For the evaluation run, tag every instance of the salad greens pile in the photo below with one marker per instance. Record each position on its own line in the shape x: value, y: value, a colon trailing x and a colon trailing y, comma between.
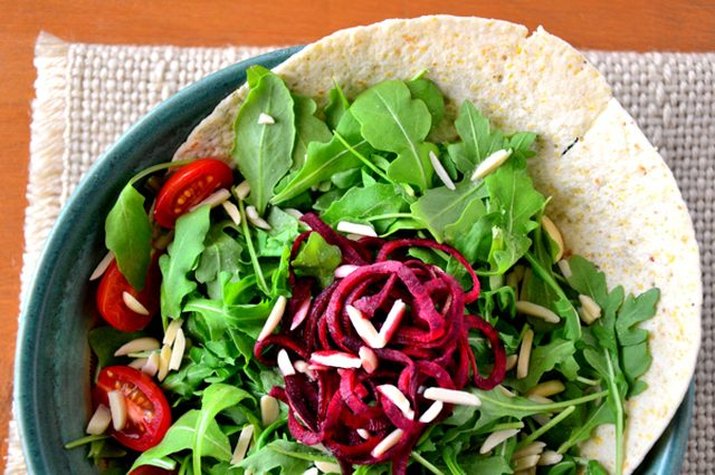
x: 367, y: 160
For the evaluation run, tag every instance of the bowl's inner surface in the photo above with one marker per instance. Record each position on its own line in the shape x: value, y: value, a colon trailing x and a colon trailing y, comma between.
x: 52, y: 368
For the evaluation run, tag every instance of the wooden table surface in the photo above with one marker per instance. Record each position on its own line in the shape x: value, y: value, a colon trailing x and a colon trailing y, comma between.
x: 641, y: 25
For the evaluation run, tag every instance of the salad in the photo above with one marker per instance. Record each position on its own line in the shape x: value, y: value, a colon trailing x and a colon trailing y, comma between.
x: 347, y: 293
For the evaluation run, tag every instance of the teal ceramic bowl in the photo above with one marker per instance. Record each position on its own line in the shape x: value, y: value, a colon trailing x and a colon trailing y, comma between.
x: 51, y: 382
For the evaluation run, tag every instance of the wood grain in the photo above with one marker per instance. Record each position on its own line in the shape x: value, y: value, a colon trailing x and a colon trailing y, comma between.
x: 640, y: 25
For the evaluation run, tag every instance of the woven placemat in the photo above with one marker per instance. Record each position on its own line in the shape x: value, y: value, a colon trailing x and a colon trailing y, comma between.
x: 88, y: 95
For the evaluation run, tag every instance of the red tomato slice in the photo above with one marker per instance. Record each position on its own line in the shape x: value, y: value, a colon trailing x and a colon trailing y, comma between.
x: 189, y: 186
x: 111, y: 304
x: 148, y: 413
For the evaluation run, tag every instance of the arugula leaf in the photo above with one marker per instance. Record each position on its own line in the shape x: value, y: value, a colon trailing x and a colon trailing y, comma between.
x: 326, y: 159
x: 181, y: 258
x: 440, y: 207
x: 428, y: 92
x: 636, y: 310
x: 222, y: 253
x: 494, y: 465
x: 361, y: 204
x: 289, y: 457
x: 308, y: 129
x: 263, y: 151
x: 128, y: 235
x: 475, y: 243
x: 181, y: 437
x: 394, y: 122
x: 284, y: 229
x: 544, y: 358
x: 603, y: 414
x: 317, y: 258
x: 512, y: 195
x: 479, y: 140
x: 215, y: 399
x: 336, y: 106
x: 248, y: 318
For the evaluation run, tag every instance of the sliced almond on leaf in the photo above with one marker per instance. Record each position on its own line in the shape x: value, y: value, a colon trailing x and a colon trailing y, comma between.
x: 269, y: 410
x: 496, y: 438
x: 99, y: 423
x: 432, y: 412
x: 452, y: 396
x: 137, y: 346
x: 244, y: 440
x: 274, y: 318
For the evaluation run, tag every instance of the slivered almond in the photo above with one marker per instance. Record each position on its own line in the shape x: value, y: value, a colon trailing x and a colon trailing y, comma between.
x: 565, y: 268
x: 364, y: 328
x: 547, y: 388
x: 392, y: 321
x: 490, y: 164
x: 244, y: 440
x: 138, y: 363
x: 542, y: 419
x: 441, y: 172
x: 356, y: 228
x: 335, y: 359
x: 293, y: 212
x: 345, y: 270
x: 522, y: 366
x: 284, y: 363
x: 533, y: 310
x: 368, y: 358
x: 171, y: 329
x: 216, y: 198
x: 363, y: 433
x: 300, y: 314
x: 504, y: 391
x: 534, y: 448
x: 304, y: 368
x: 99, y: 423
x: 265, y: 119
x: 232, y: 212
x: 310, y: 471
x: 496, y: 438
x: 550, y: 457
x: 133, y: 304
x: 525, y: 463
x: 555, y: 235
x: 269, y: 410
x: 452, y: 396
x: 327, y: 467
x: 242, y: 190
x: 515, y: 277
x: 164, y: 361
x: 137, y: 346
x: 118, y: 409
x: 152, y: 364
x: 398, y: 399
x: 392, y: 439
x: 432, y: 412
x: 511, y: 362
x: 590, y: 311
x: 177, y: 350
x: 102, y: 266
x: 255, y: 219
x: 274, y: 318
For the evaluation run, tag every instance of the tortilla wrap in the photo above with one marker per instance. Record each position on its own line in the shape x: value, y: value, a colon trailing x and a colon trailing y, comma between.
x: 613, y: 196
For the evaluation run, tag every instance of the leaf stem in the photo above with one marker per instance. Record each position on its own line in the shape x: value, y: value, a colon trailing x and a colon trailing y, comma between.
x: 84, y: 440
x: 507, y: 426
x: 551, y: 407
x: 363, y: 158
x: 389, y: 216
x: 158, y: 167
x: 263, y: 438
x: 260, y: 279
x: 426, y: 463
x: 546, y: 427
x: 618, y: 403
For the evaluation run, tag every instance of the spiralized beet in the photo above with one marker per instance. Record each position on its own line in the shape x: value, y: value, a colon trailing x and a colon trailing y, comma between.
x: 423, y: 344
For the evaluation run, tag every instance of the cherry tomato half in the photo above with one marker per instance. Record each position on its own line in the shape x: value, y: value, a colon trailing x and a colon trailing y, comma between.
x: 151, y: 470
x: 110, y: 302
x: 148, y: 413
x: 189, y: 186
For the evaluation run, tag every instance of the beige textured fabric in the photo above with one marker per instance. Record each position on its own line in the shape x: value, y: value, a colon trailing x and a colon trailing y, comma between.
x: 87, y: 95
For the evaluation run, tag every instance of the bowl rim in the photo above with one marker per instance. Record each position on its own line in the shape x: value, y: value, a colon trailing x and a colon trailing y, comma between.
x: 665, y: 457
